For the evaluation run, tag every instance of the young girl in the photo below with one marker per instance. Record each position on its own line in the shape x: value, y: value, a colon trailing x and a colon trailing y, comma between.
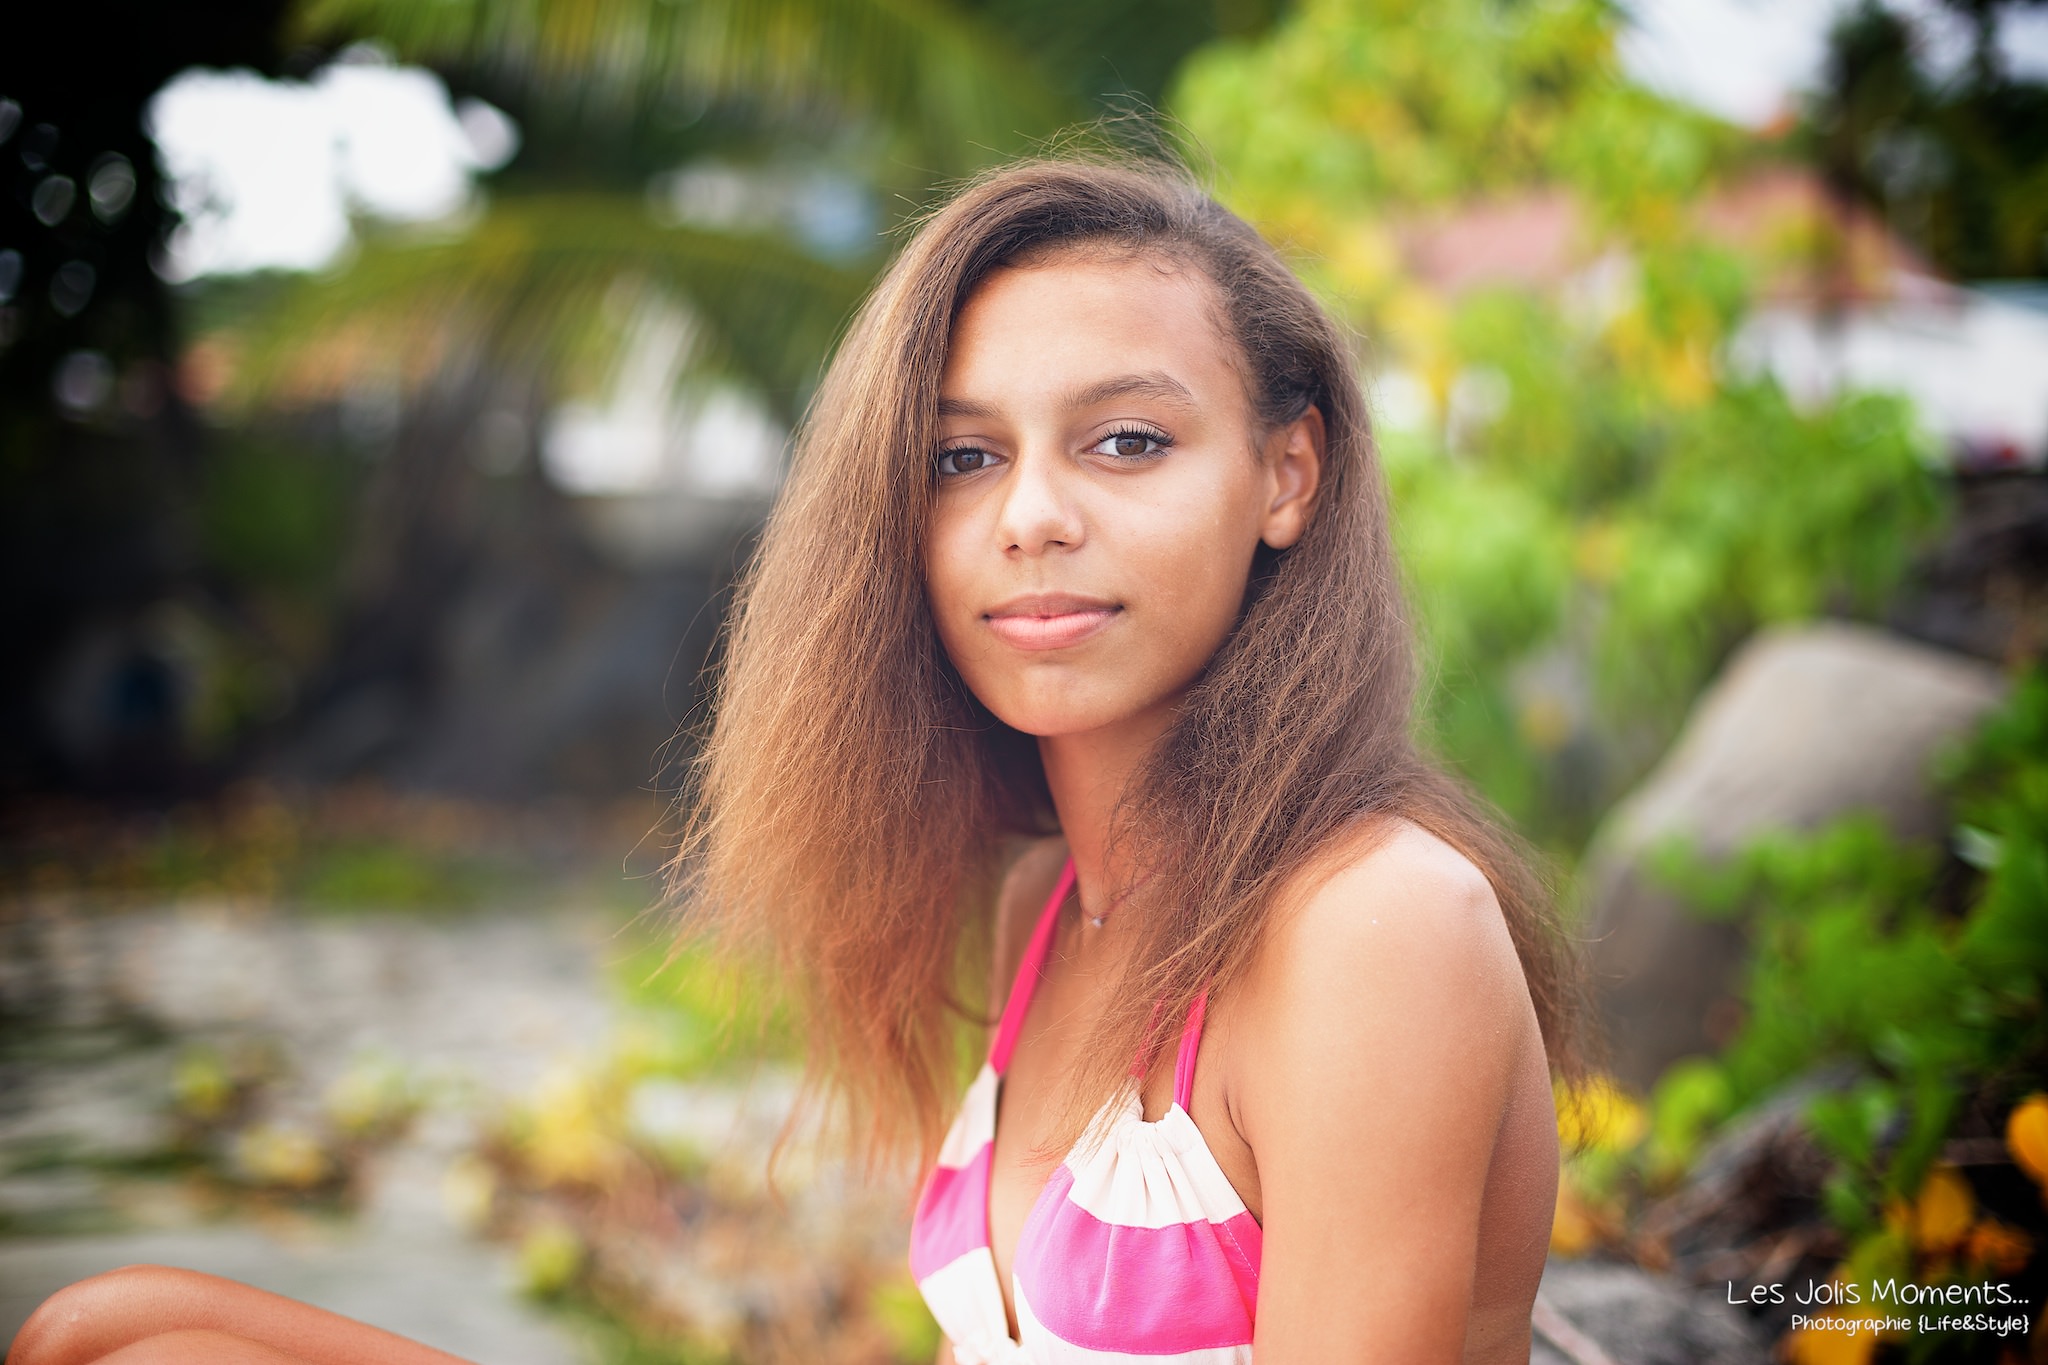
x: 1075, y: 647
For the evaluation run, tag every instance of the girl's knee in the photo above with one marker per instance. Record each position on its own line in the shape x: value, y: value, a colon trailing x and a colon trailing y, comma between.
x: 197, y: 1348
x: 97, y: 1316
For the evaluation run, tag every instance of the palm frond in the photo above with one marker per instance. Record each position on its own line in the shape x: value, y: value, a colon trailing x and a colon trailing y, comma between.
x: 526, y: 288
x: 920, y: 66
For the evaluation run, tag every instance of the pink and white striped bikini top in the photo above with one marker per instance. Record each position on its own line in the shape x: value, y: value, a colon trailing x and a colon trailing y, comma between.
x: 1137, y: 1246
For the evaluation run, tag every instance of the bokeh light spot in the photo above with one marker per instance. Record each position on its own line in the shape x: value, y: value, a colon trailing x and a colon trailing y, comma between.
x: 111, y: 187
x: 39, y: 146
x: 71, y: 288
x: 83, y: 382
x: 52, y: 200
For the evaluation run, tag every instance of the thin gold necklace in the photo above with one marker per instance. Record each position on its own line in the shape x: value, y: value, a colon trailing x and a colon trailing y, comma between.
x: 1096, y: 921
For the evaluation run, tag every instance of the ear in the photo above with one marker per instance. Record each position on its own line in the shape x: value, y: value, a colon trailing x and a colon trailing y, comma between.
x: 1294, y: 467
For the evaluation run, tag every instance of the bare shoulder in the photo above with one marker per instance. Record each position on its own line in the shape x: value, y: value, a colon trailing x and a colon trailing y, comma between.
x: 1394, y: 897
x: 1388, y: 954
x: 1026, y: 884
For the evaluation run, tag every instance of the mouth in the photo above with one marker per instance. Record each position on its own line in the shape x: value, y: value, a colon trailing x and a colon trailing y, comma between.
x: 1050, y: 620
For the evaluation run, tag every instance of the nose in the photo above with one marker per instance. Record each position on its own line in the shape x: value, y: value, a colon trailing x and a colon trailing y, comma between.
x: 1039, y: 510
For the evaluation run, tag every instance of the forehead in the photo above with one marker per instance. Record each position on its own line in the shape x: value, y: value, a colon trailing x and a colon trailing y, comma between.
x: 1046, y: 325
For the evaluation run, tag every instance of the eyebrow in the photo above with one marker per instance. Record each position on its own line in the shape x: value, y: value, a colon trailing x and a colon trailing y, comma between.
x: 1154, y: 384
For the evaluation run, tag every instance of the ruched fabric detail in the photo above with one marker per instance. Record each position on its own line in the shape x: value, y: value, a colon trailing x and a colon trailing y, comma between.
x: 1138, y: 1248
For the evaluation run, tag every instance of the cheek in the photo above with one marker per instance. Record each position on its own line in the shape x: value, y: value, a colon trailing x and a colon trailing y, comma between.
x: 948, y: 579
x: 1195, y: 558
x: 1194, y: 615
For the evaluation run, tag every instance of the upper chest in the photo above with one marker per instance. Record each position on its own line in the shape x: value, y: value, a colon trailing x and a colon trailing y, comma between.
x: 1066, y: 1004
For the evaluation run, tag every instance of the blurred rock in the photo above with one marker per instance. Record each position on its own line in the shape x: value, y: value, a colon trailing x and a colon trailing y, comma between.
x: 1982, y: 589
x: 489, y: 999
x: 488, y: 647
x: 93, y: 1110
x: 1805, y: 724
x: 1749, y: 1211
x: 1631, y: 1317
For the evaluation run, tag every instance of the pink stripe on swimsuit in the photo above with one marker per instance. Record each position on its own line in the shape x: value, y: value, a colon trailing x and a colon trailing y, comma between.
x: 1138, y: 1246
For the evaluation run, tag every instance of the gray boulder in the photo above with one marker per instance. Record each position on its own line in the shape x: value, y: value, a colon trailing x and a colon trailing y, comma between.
x: 1805, y: 724
x: 1600, y: 1313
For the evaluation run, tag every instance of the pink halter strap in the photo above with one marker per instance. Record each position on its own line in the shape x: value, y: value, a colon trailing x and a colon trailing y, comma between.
x: 1012, y: 1022
x: 1028, y: 971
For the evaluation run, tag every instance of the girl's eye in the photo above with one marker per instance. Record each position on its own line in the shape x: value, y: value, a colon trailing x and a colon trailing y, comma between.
x: 1133, y: 444
x: 964, y: 460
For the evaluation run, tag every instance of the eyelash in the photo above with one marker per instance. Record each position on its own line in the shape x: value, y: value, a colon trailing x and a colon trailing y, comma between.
x: 1158, y: 438
x: 940, y: 459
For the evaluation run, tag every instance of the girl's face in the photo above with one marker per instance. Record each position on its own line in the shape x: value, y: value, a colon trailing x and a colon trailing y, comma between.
x: 1100, y: 490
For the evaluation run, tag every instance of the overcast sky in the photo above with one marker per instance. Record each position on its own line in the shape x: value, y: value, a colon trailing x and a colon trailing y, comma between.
x: 1745, y: 59
x: 268, y: 172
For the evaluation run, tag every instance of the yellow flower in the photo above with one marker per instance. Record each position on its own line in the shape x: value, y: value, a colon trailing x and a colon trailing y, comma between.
x: 1999, y: 1246
x: 550, y: 1255
x: 2026, y: 1136
x: 1573, y: 1231
x: 1943, y: 1211
x: 367, y: 1098
x: 202, y: 1085
x: 469, y: 1190
x: 1810, y: 1346
x: 571, y: 1140
x: 1545, y: 723
x: 1365, y: 258
x: 1599, y: 552
x: 1599, y: 1115
x: 273, y: 1154
x: 1685, y: 374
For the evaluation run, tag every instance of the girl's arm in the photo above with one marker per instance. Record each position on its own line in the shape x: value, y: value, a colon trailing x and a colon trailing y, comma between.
x: 1386, y: 1026
x: 156, y: 1315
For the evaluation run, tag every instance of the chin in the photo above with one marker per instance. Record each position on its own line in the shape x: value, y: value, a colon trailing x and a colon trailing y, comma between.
x: 1052, y: 717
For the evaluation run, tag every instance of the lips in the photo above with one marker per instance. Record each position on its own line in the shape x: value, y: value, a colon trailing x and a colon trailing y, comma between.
x: 1050, y: 620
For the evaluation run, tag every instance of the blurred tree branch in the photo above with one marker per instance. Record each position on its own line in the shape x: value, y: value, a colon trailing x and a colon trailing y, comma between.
x: 526, y: 287
x: 922, y: 67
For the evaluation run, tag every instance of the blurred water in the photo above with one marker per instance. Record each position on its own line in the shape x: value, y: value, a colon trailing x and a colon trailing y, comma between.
x: 474, y: 1010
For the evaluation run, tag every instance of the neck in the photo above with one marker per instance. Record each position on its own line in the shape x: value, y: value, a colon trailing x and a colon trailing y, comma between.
x: 1087, y: 773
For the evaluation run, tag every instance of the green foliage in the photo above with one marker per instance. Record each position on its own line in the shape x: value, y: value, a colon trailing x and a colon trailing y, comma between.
x: 1595, y: 508
x: 550, y: 1256
x: 1359, y: 103
x: 899, y: 1307
x: 1127, y: 50
x: 352, y: 852
x: 1858, y: 960
x: 1915, y: 989
x: 918, y: 66
x: 1692, y: 1097
x: 892, y: 95
x: 703, y: 1014
x: 611, y: 1343
x: 1636, y: 541
x: 2001, y: 787
x: 390, y: 876
x: 1957, y: 161
x: 274, y: 514
x: 1352, y: 109
x: 528, y: 285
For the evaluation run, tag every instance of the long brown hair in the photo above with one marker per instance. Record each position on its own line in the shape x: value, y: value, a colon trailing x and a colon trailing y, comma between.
x: 852, y: 805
